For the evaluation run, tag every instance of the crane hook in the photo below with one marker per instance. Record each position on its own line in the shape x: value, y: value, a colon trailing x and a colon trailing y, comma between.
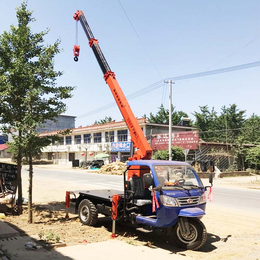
x: 76, y: 52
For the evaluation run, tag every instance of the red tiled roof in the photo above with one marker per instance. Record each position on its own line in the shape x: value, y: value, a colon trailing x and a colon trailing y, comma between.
x: 3, y: 147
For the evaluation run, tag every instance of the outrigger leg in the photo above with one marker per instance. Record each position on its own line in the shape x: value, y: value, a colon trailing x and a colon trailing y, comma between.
x: 115, y: 199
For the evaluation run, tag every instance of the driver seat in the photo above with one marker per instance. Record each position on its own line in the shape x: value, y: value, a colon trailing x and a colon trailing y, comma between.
x: 137, y: 189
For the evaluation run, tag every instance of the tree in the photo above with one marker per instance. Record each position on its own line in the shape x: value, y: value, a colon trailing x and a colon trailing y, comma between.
x: 206, y: 123
x: 253, y: 158
x: 251, y: 130
x: 240, y: 152
x: 162, y: 116
x: 177, y: 154
x: 104, y: 121
x: 232, y: 120
x: 224, y: 128
x: 29, y: 95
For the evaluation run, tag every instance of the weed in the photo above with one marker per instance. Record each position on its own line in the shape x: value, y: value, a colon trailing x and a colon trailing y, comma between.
x: 131, y: 242
x: 41, y: 234
x: 57, y: 238
x: 50, y: 236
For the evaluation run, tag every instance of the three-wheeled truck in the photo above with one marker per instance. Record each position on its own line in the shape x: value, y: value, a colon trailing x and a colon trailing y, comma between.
x: 155, y: 194
x: 167, y: 195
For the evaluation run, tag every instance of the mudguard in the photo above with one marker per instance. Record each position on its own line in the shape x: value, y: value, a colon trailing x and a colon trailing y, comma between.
x: 191, y: 212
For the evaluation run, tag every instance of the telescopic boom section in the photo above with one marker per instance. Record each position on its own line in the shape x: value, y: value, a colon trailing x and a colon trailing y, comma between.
x: 142, y: 149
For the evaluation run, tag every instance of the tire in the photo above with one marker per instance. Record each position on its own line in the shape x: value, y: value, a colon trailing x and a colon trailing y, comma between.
x: 195, y: 240
x: 87, y: 213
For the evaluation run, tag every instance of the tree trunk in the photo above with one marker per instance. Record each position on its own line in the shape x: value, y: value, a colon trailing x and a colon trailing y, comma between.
x: 19, y: 178
x: 30, y: 212
x: 243, y: 162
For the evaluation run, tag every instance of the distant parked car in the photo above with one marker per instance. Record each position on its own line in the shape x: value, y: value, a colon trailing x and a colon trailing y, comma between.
x: 97, y: 163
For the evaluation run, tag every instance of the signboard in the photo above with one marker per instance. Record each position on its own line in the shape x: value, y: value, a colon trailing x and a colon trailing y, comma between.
x: 8, y: 175
x: 120, y: 147
x: 186, y: 140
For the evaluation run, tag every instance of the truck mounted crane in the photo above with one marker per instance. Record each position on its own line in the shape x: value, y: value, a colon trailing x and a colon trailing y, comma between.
x: 156, y: 194
x: 142, y: 149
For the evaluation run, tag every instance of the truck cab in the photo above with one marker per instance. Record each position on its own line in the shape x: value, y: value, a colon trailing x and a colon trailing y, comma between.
x: 173, y: 189
x: 166, y: 195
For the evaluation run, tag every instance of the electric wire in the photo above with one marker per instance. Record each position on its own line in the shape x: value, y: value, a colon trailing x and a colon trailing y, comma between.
x: 140, y: 39
x: 218, y: 71
x: 230, y: 129
x: 164, y: 93
x: 234, y: 52
x: 160, y: 83
x: 129, y: 97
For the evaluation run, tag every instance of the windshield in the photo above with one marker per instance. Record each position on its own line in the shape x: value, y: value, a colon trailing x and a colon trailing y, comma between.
x: 175, y: 175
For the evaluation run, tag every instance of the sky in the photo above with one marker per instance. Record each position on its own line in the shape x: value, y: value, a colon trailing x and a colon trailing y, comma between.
x: 147, y: 41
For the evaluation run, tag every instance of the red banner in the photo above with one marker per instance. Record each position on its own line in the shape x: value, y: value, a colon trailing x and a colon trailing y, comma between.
x: 186, y: 140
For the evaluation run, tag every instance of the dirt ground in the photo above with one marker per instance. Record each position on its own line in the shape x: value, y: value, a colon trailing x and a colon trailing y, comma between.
x: 231, y: 235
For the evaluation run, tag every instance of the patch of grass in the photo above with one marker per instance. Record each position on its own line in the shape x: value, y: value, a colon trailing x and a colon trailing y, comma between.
x: 41, y: 234
x: 131, y: 242
x: 49, y: 237
x: 57, y: 238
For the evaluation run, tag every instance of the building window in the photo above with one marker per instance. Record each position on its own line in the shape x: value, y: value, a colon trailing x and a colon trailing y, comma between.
x: 110, y: 136
x: 77, y: 139
x: 61, y: 141
x: 97, y: 137
x: 122, y: 135
x: 87, y: 138
x: 68, y: 139
x: 71, y: 157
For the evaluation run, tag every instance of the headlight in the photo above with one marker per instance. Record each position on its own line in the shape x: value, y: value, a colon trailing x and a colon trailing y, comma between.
x: 168, y: 201
x: 203, y: 198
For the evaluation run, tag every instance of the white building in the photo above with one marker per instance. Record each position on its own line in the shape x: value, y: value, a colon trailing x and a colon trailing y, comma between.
x: 113, y: 138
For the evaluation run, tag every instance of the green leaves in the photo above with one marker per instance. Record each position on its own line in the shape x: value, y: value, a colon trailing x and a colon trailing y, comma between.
x: 162, y: 116
x: 29, y: 94
x: 177, y: 154
x: 104, y: 121
x: 253, y: 158
x: 251, y: 130
x: 226, y: 127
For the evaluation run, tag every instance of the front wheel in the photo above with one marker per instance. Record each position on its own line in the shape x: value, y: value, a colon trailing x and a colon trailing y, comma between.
x: 195, y: 239
x: 87, y: 213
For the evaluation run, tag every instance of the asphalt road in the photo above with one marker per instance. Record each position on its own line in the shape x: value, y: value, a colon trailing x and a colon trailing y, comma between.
x: 227, y: 197
x: 237, y: 198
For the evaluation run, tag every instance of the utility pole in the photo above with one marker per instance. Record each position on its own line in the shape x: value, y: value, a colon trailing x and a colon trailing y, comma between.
x: 170, y: 118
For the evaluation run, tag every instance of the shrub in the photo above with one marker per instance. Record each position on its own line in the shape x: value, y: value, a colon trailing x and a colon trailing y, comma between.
x: 177, y: 154
x: 253, y: 158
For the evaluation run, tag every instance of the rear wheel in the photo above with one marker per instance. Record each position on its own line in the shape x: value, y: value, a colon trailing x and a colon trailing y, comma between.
x: 195, y: 239
x: 87, y: 213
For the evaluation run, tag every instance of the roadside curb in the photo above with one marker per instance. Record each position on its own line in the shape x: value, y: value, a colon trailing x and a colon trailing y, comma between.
x: 3, y: 256
x: 6, y: 231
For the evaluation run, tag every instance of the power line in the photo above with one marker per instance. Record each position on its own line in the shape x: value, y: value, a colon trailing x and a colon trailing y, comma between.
x: 235, y: 52
x: 230, y: 129
x: 160, y: 83
x: 218, y: 71
x: 129, y: 97
x: 139, y: 38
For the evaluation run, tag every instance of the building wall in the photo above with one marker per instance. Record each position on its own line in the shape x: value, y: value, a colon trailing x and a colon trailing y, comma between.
x: 60, y: 153
x: 5, y: 154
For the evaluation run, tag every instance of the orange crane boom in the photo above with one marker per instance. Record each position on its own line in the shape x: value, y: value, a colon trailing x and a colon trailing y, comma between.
x: 141, y: 148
